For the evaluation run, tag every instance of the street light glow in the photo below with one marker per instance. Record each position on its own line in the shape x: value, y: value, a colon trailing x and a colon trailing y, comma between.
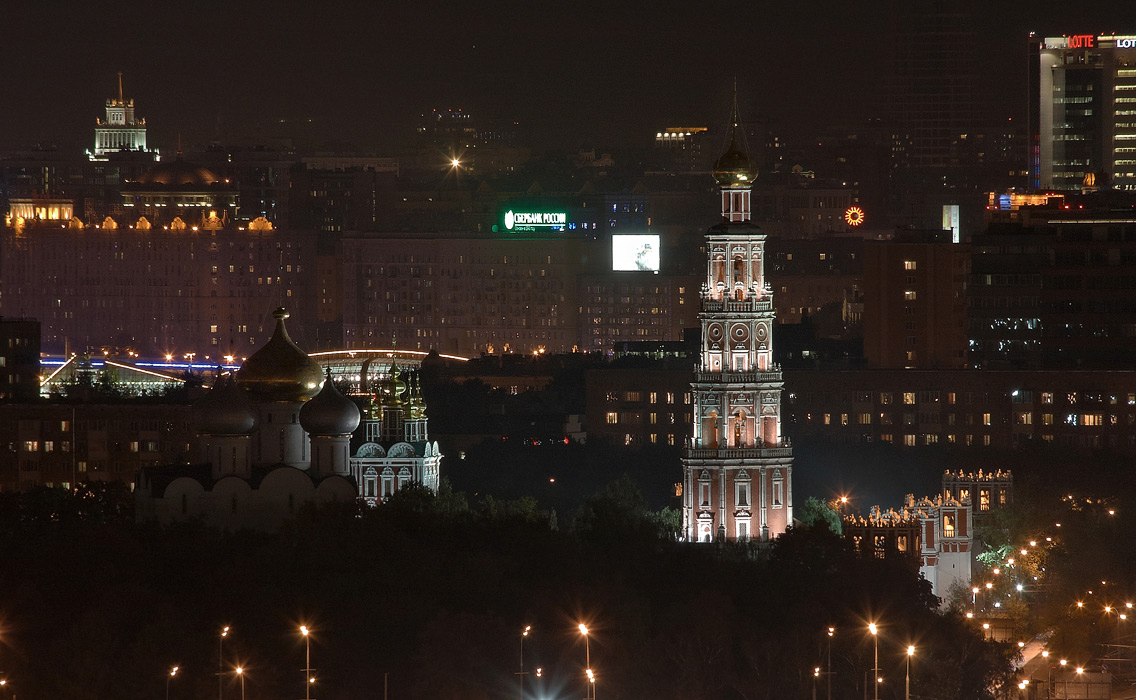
x: 872, y: 627
x: 173, y: 671
x: 911, y: 650
x: 304, y: 630
x: 583, y: 629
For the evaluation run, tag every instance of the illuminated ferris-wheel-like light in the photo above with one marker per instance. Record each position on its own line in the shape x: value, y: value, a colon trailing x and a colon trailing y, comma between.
x: 854, y: 216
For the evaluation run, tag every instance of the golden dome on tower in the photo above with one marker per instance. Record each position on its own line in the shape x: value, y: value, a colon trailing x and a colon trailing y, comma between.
x: 734, y: 168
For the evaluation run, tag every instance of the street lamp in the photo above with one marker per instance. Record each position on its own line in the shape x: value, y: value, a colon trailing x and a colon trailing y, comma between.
x: 590, y: 688
x: 831, y: 633
x: 307, y: 662
x: 1064, y: 676
x: 1049, y: 684
x: 173, y: 672
x: 906, y: 680
x: 521, y: 675
x: 241, y: 675
x: 875, y: 661
x: 220, y: 663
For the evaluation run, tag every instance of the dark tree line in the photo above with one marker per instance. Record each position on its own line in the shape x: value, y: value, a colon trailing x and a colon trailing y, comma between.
x: 431, y: 592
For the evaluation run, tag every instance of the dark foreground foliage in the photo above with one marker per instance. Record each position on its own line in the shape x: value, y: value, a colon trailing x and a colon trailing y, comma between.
x: 432, y: 593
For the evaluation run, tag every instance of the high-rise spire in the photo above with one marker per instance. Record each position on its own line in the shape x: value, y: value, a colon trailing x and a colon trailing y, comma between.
x: 120, y: 99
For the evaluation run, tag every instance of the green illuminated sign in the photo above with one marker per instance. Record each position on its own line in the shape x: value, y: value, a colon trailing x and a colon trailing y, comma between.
x: 535, y: 220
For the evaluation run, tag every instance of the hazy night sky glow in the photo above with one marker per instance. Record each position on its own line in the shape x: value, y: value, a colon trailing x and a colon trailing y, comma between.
x: 603, y: 73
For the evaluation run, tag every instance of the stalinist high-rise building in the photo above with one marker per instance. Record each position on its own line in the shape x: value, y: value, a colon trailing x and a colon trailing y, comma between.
x: 737, y: 471
x: 121, y: 130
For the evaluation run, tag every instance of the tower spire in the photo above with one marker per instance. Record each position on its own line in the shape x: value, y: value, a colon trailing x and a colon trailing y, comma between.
x: 120, y: 100
x: 734, y: 171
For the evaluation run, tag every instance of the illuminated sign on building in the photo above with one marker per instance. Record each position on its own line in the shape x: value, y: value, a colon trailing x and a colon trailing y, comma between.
x: 535, y: 220
x: 1080, y: 41
x: 1126, y: 42
x: 854, y: 216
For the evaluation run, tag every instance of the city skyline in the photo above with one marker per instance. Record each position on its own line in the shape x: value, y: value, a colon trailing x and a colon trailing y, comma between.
x: 578, y: 74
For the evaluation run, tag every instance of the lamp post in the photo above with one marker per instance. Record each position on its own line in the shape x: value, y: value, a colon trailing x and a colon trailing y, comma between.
x: 241, y: 675
x: 308, y: 680
x: 590, y: 688
x: 831, y: 633
x: 220, y: 663
x: 875, y: 661
x: 1064, y: 678
x: 173, y: 672
x: 1049, y: 684
x: 906, y: 680
x: 521, y: 675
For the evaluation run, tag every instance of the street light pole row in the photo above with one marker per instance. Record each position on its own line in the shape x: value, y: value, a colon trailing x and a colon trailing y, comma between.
x: 240, y: 670
x: 873, y: 629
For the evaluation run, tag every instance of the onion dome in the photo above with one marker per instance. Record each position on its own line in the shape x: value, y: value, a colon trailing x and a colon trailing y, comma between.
x: 417, y: 407
x: 734, y: 168
x: 280, y: 371
x: 330, y: 412
x: 397, y: 385
x: 392, y: 388
x: 224, y: 411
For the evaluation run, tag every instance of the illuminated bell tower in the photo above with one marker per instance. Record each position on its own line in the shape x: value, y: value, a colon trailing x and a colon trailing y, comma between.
x: 737, y: 471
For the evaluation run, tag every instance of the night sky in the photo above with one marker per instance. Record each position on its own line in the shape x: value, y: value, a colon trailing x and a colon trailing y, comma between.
x: 575, y: 73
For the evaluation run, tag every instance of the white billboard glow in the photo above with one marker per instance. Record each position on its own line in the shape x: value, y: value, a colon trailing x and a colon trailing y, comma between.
x: 635, y: 252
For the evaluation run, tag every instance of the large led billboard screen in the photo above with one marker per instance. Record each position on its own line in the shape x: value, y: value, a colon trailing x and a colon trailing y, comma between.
x: 635, y: 252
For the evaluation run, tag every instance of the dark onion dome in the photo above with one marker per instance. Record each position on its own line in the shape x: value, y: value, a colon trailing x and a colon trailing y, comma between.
x: 330, y: 412
x: 734, y: 168
x: 280, y: 371
x: 224, y: 410
x: 178, y: 173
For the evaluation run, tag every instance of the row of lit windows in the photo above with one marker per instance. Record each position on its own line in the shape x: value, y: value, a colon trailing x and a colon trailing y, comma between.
x: 909, y: 440
x: 986, y: 419
x: 631, y: 440
x: 910, y: 398
x: 630, y: 418
x: 652, y: 397
x: 65, y: 446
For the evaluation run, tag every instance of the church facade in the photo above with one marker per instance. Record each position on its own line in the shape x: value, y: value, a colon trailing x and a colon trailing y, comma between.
x: 277, y: 435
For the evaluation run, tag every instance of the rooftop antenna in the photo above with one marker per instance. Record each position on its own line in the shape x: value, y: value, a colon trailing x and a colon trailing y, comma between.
x: 120, y: 100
